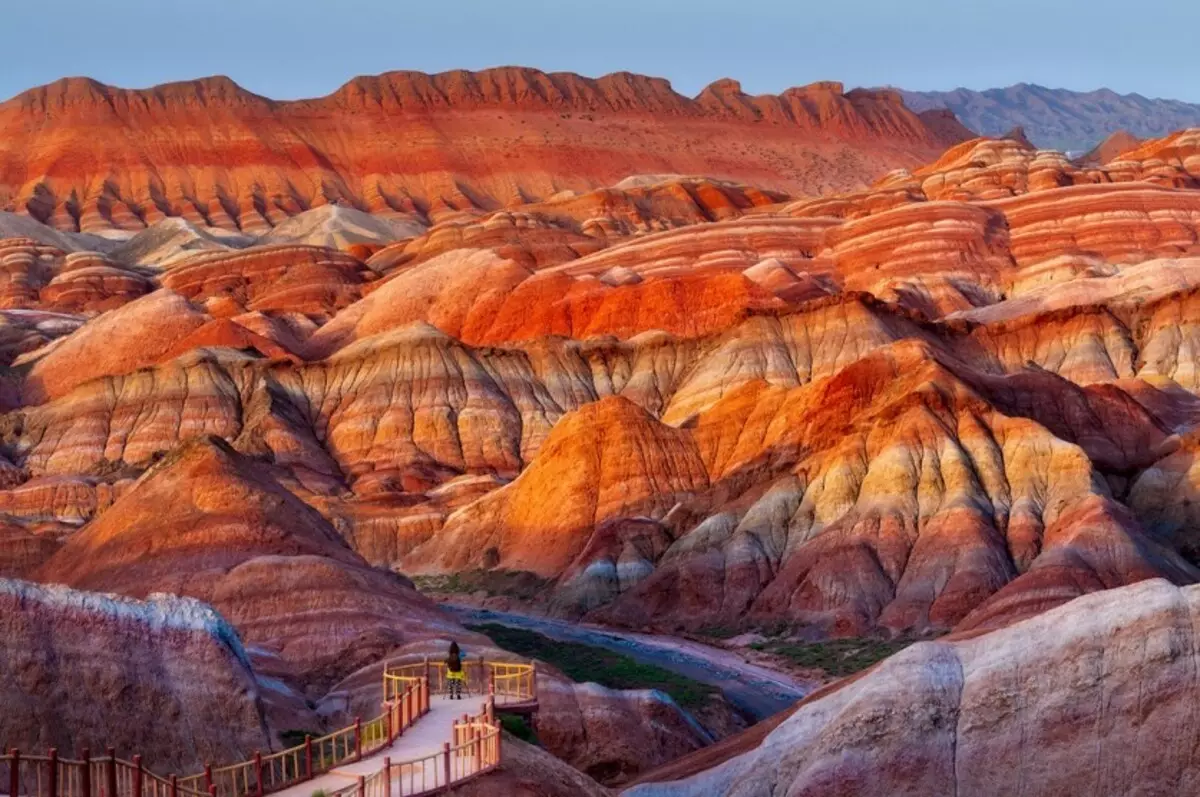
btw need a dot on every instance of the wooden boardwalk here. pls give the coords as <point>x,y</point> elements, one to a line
<point>421,744</point>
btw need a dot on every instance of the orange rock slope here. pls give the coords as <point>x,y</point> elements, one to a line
<point>954,399</point>
<point>211,152</point>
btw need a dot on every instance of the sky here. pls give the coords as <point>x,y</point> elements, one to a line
<point>307,48</point>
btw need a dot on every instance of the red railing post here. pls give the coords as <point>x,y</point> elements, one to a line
<point>14,773</point>
<point>387,720</point>
<point>258,772</point>
<point>308,771</point>
<point>174,786</point>
<point>208,781</point>
<point>52,776</point>
<point>110,772</point>
<point>358,738</point>
<point>85,777</point>
<point>387,776</point>
<point>137,776</point>
<point>446,761</point>
<point>362,786</point>
<point>212,791</point>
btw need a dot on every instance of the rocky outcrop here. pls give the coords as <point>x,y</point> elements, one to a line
<point>613,735</point>
<point>1022,709</point>
<point>1109,149</point>
<point>165,677</point>
<point>282,279</point>
<point>528,771</point>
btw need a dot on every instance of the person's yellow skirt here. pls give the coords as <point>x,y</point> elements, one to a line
<point>455,681</point>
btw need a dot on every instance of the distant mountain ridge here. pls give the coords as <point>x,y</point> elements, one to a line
<point>1059,118</point>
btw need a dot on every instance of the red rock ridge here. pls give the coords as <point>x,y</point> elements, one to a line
<point>211,152</point>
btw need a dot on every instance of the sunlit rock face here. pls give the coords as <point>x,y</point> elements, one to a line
<point>951,400</point>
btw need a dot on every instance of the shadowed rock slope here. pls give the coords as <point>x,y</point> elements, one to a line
<point>1096,696</point>
<point>166,678</point>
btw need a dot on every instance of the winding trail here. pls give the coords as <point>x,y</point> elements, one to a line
<point>757,690</point>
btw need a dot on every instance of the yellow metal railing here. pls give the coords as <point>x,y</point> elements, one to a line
<point>509,682</point>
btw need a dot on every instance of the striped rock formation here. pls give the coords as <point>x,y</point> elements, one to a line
<point>951,400</point>
<point>269,563</point>
<point>251,163</point>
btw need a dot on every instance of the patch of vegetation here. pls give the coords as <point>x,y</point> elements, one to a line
<point>719,631</point>
<point>605,667</point>
<point>516,725</point>
<point>838,657</point>
<point>510,583</point>
<point>295,738</point>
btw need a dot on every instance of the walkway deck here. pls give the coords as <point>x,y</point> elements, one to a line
<point>424,738</point>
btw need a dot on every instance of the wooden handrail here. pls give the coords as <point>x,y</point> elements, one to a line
<point>51,776</point>
<point>406,690</point>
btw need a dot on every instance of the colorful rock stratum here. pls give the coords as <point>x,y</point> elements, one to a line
<point>809,360</point>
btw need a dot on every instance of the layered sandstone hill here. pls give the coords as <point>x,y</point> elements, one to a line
<point>1096,697</point>
<point>956,398</point>
<point>209,523</point>
<point>167,678</point>
<point>212,153</point>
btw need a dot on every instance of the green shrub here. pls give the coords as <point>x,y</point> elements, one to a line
<point>516,725</point>
<point>838,657</point>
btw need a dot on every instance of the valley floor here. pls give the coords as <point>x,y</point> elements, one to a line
<point>757,690</point>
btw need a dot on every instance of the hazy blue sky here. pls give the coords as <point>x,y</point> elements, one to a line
<point>308,48</point>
